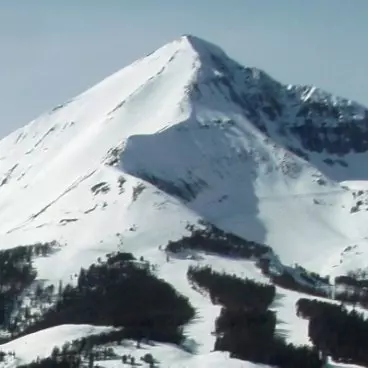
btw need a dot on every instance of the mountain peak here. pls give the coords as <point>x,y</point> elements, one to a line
<point>202,48</point>
<point>181,137</point>
<point>201,45</point>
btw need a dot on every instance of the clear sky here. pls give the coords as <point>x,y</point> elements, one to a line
<point>53,50</point>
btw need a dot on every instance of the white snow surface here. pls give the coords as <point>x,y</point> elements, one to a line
<point>40,344</point>
<point>161,120</point>
<point>169,356</point>
<point>245,182</point>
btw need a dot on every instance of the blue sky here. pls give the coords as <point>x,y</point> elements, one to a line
<point>53,50</point>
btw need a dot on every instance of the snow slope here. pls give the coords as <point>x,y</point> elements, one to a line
<point>168,356</point>
<point>166,142</point>
<point>169,125</point>
<point>40,344</point>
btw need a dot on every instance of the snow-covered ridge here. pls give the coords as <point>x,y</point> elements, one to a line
<point>186,116</point>
<point>182,135</point>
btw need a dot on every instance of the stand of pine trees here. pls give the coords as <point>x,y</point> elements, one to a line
<point>352,288</point>
<point>246,327</point>
<point>213,240</point>
<point>232,291</point>
<point>52,363</point>
<point>335,331</point>
<point>16,274</point>
<point>122,292</point>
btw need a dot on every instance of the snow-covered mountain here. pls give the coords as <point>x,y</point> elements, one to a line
<point>182,135</point>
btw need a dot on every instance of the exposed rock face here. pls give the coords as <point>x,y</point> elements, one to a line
<point>320,121</point>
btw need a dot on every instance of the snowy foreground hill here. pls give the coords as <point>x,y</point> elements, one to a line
<point>185,136</point>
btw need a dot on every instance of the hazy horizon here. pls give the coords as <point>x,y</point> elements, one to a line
<point>54,51</point>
